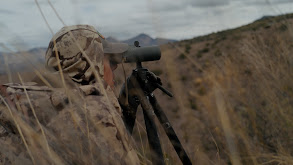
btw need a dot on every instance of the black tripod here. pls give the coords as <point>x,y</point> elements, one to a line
<point>145,82</point>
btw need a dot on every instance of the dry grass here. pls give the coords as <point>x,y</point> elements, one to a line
<point>232,108</point>
<point>247,104</point>
<point>235,106</point>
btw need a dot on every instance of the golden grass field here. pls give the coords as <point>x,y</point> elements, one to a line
<point>233,95</point>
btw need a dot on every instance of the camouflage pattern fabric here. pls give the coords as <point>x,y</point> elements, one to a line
<point>67,44</point>
<point>80,125</point>
<point>76,123</point>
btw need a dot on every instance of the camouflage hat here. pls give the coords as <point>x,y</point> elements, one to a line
<point>72,60</point>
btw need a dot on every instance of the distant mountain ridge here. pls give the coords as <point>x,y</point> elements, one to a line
<point>37,55</point>
<point>112,39</point>
<point>143,39</point>
<point>22,61</point>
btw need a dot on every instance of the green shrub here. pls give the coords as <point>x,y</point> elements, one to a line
<point>192,104</point>
<point>183,78</point>
<point>267,27</point>
<point>187,48</point>
<point>218,53</point>
<point>248,72</point>
<point>283,28</point>
<point>202,91</point>
<point>181,56</point>
<point>205,50</point>
<point>236,37</point>
<point>201,52</point>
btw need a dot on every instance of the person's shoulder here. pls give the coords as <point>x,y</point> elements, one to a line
<point>101,96</point>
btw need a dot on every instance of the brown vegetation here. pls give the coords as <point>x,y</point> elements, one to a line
<point>233,95</point>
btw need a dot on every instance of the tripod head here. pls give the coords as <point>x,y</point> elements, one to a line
<point>148,80</point>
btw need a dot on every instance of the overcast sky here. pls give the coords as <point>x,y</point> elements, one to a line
<point>22,25</point>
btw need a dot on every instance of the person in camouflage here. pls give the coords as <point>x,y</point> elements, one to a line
<point>71,115</point>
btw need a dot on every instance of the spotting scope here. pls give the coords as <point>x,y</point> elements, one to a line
<point>135,53</point>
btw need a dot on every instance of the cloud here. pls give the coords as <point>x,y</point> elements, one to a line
<point>40,2</point>
<point>209,3</point>
<point>165,18</point>
<point>167,5</point>
<point>265,2</point>
<point>4,11</point>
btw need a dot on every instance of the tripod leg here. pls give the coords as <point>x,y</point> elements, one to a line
<point>169,130</point>
<point>129,116</point>
<point>153,137</point>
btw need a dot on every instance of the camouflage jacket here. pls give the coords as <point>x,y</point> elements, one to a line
<point>81,125</point>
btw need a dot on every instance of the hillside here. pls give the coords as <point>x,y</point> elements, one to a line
<point>233,94</point>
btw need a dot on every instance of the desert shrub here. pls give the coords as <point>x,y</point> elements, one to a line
<point>183,78</point>
<point>192,104</point>
<point>205,50</point>
<point>267,26</point>
<point>187,48</point>
<point>199,54</point>
<point>283,27</point>
<point>202,51</point>
<point>181,56</point>
<point>248,72</point>
<point>218,53</point>
<point>202,91</point>
<point>236,37</point>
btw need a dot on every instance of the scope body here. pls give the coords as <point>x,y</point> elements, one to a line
<point>137,54</point>
<point>142,54</point>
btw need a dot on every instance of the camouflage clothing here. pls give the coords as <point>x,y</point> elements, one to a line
<point>78,122</point>
<point>72,45</point>
<point>89,126</point>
